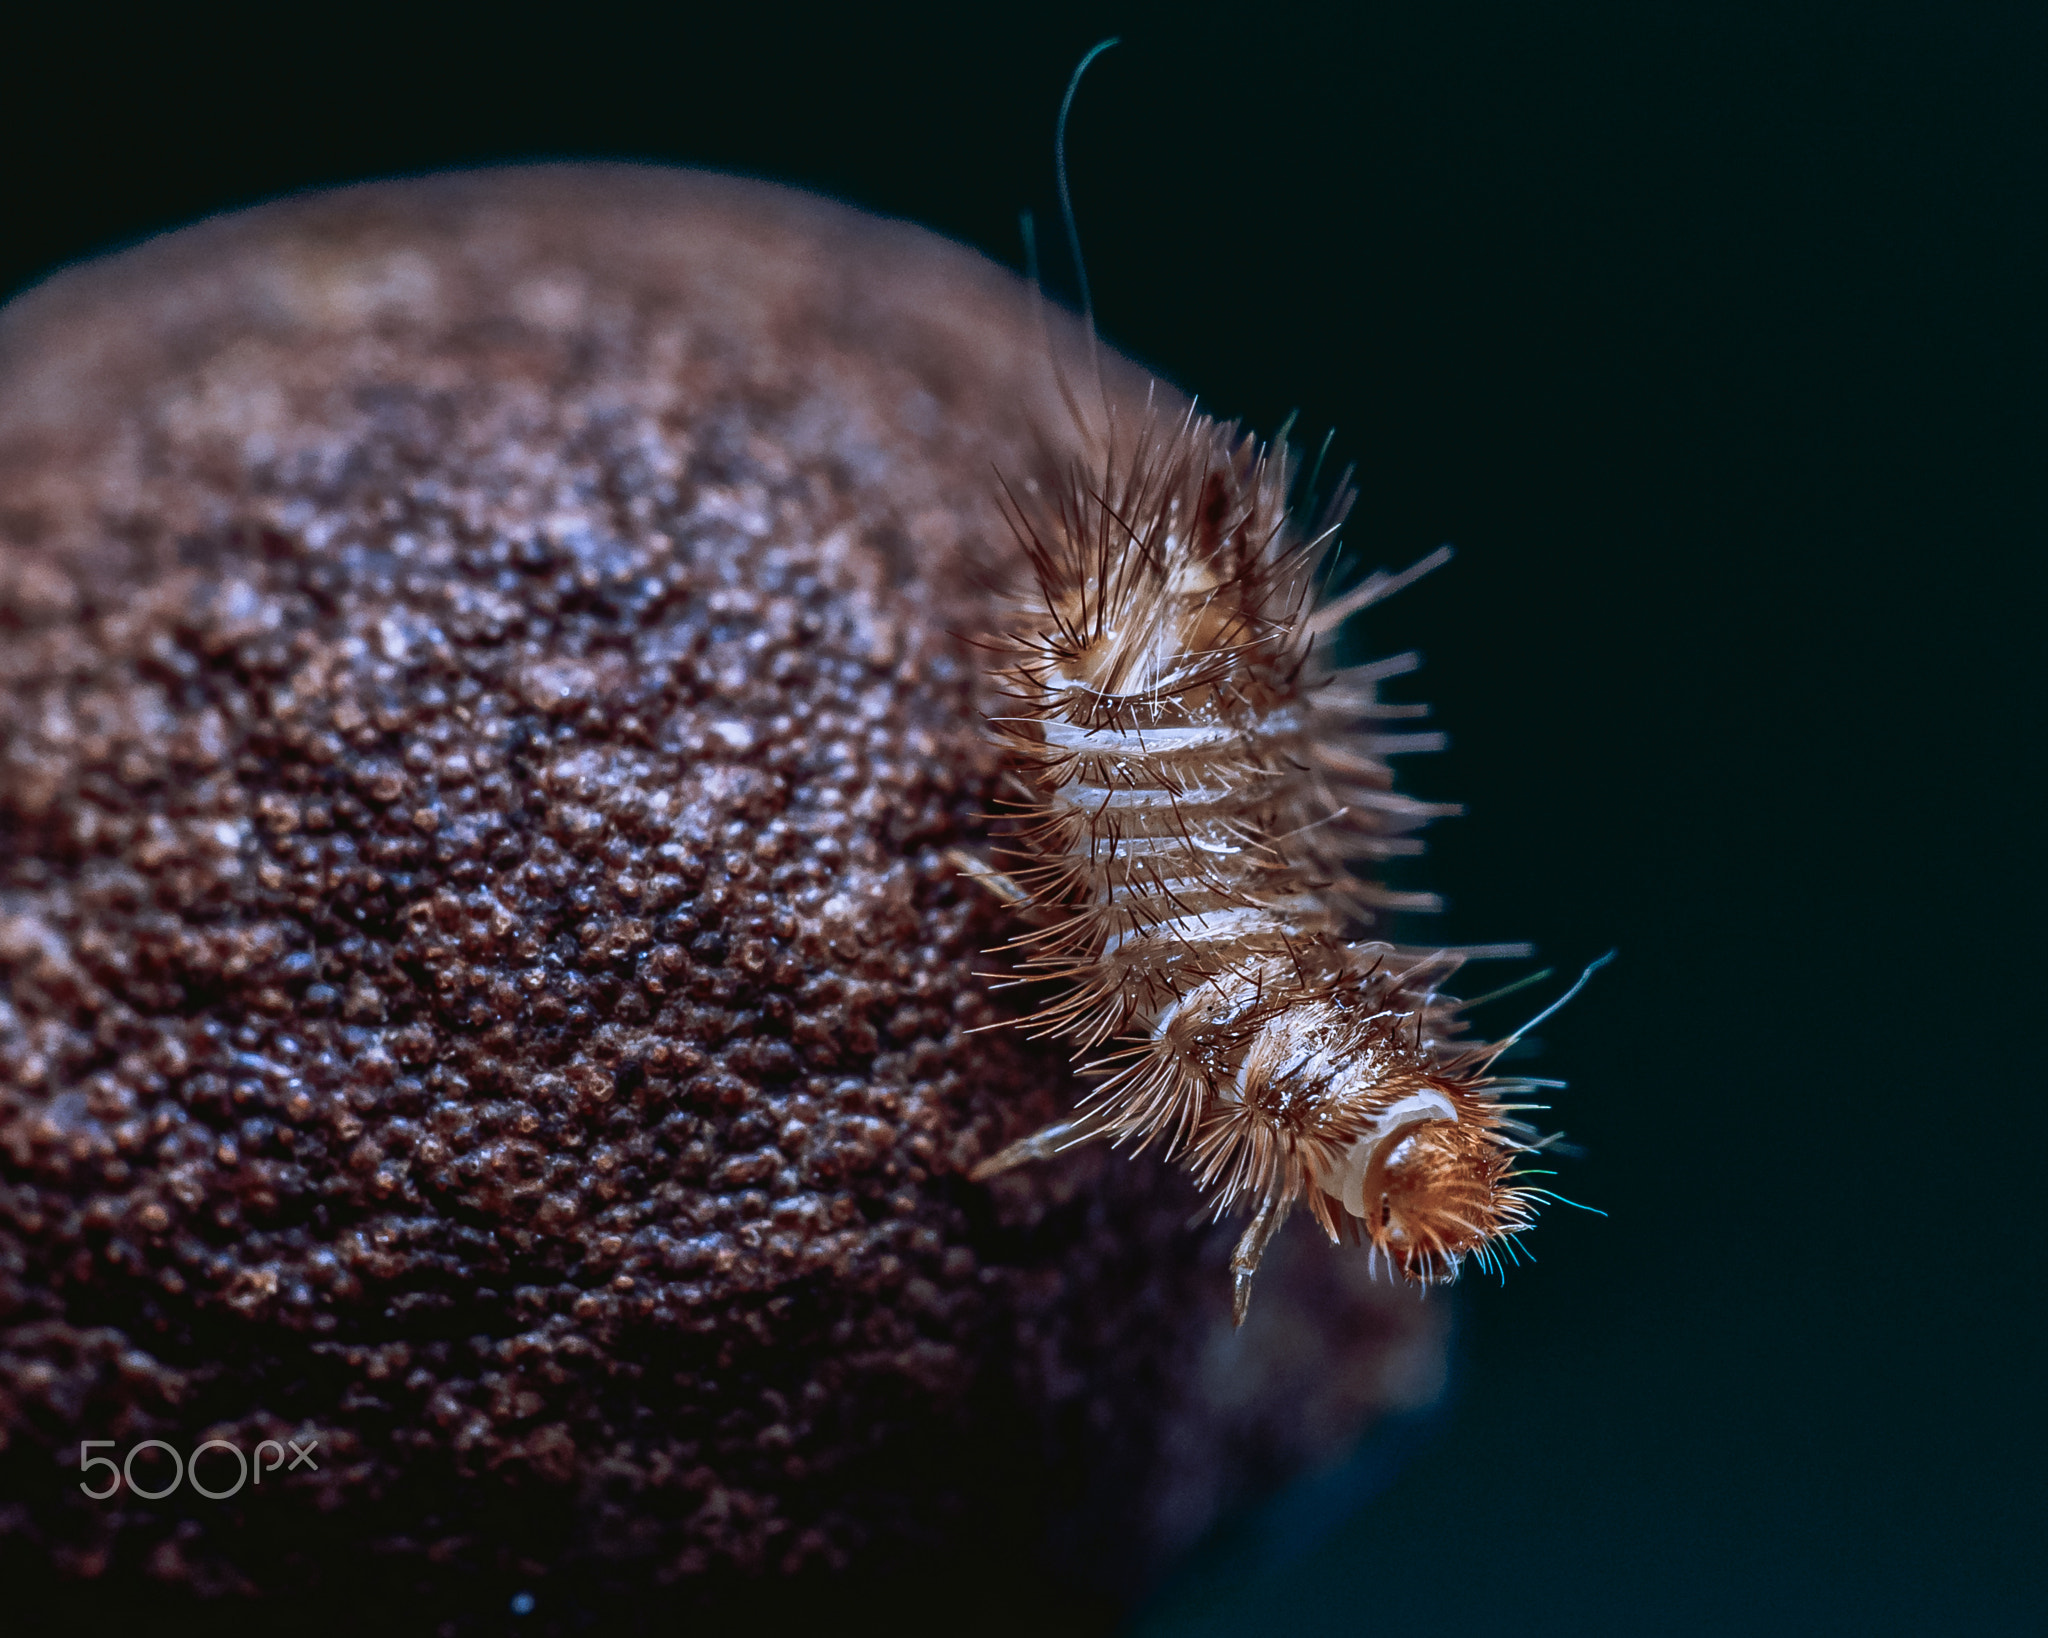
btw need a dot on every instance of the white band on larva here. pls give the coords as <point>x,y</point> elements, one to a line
<point>1140,741</point>
<point>1212,927</point>
<point>1346,1184</point>
<point>1110,799</point>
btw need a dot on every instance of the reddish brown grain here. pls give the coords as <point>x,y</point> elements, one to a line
<point>480,728</point>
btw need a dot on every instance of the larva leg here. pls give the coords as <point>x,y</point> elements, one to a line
<point>994,880</point>
<point>1244,1261</point>
<point>1041,1145</point>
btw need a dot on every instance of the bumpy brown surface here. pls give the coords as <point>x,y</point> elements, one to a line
<point>481,721</point>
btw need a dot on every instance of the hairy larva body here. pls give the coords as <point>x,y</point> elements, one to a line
<point>1200,796</point>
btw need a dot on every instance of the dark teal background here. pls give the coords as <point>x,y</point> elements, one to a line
<point>1713,336</point>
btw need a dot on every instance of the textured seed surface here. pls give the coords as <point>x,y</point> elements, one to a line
<point>483,713</point>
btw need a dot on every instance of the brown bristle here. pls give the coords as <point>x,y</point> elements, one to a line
<point>1196,794</point>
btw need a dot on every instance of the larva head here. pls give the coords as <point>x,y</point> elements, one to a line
<point>1433,1191</point>
<point>1346,1104</point>
<point>1416,1161</point>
